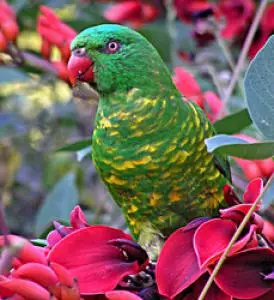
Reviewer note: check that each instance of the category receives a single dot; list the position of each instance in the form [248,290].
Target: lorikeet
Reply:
[148,143]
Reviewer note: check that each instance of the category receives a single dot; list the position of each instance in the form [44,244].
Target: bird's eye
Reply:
[112,46]
[79,52]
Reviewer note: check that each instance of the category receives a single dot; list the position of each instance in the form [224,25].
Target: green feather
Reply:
[148,144]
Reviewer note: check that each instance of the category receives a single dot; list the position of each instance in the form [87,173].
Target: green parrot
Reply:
[148,143]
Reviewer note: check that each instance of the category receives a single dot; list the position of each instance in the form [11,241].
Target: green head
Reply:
[115,58]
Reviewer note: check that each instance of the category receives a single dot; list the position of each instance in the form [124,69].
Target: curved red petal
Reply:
[212,238]
[77,218]
[28,252]
[25,288]
[96,265]
[253,190]
[122,295]
[177,266]
[187,85]
[241,275]
[38,273]
[125,11]
[49,14]
[240,208]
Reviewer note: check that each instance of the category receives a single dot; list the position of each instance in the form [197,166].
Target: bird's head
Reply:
[115,58]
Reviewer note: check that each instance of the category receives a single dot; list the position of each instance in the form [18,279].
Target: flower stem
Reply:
[232,241]
[171,27]
[227,54]
[243,54]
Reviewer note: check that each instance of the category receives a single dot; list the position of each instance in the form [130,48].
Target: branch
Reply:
[243,54]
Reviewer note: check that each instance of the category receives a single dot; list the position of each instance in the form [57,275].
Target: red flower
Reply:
[55,33]
[77,221]
[194,250]
[266,28]
[135,13]
[238,14]
[9,29]
[99,257]
[189,87]
[187,10]
[254,168]
[32,278]
[248,274]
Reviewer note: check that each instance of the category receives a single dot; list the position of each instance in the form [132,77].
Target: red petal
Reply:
[177,266]
[212,238]
[240,275]
[49,14]
[213,104]
[253,190]
[28,252]
[125,11]
[187,85]
[77,218]
[63,275]
[240,208]
[122,295]
[250,168]
[61,70]
[99,267]
[266,165]
[46,49]
[53,238]
[230,196]
[3,42]
[7,9]
[10,30]
[26,289]
[38,273]
[150,12]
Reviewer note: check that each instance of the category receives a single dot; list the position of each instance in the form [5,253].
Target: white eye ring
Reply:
[79,52]
[113,46]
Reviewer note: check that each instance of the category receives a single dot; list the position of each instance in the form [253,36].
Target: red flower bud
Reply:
[46,48]
[10,30]
[3,43]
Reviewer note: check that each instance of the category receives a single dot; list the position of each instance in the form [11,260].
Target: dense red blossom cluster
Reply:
[55,33]
[233,17]
[8,26]
[84,261]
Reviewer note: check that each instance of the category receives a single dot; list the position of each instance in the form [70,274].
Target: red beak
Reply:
[80,68]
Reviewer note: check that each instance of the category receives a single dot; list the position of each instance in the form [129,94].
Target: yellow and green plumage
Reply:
[148,144]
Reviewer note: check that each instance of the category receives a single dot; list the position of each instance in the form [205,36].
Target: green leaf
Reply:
[233,123]
[234,146]
[259,89]
[58,203]
[39,242]
[83,153]
[8,75]
[77,146]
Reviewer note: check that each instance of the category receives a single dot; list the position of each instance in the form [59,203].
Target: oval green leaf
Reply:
[233,146]
[76,146]
[233,123]
[259,89]
[58,203]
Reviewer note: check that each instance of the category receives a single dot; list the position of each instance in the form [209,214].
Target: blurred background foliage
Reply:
[39,114]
